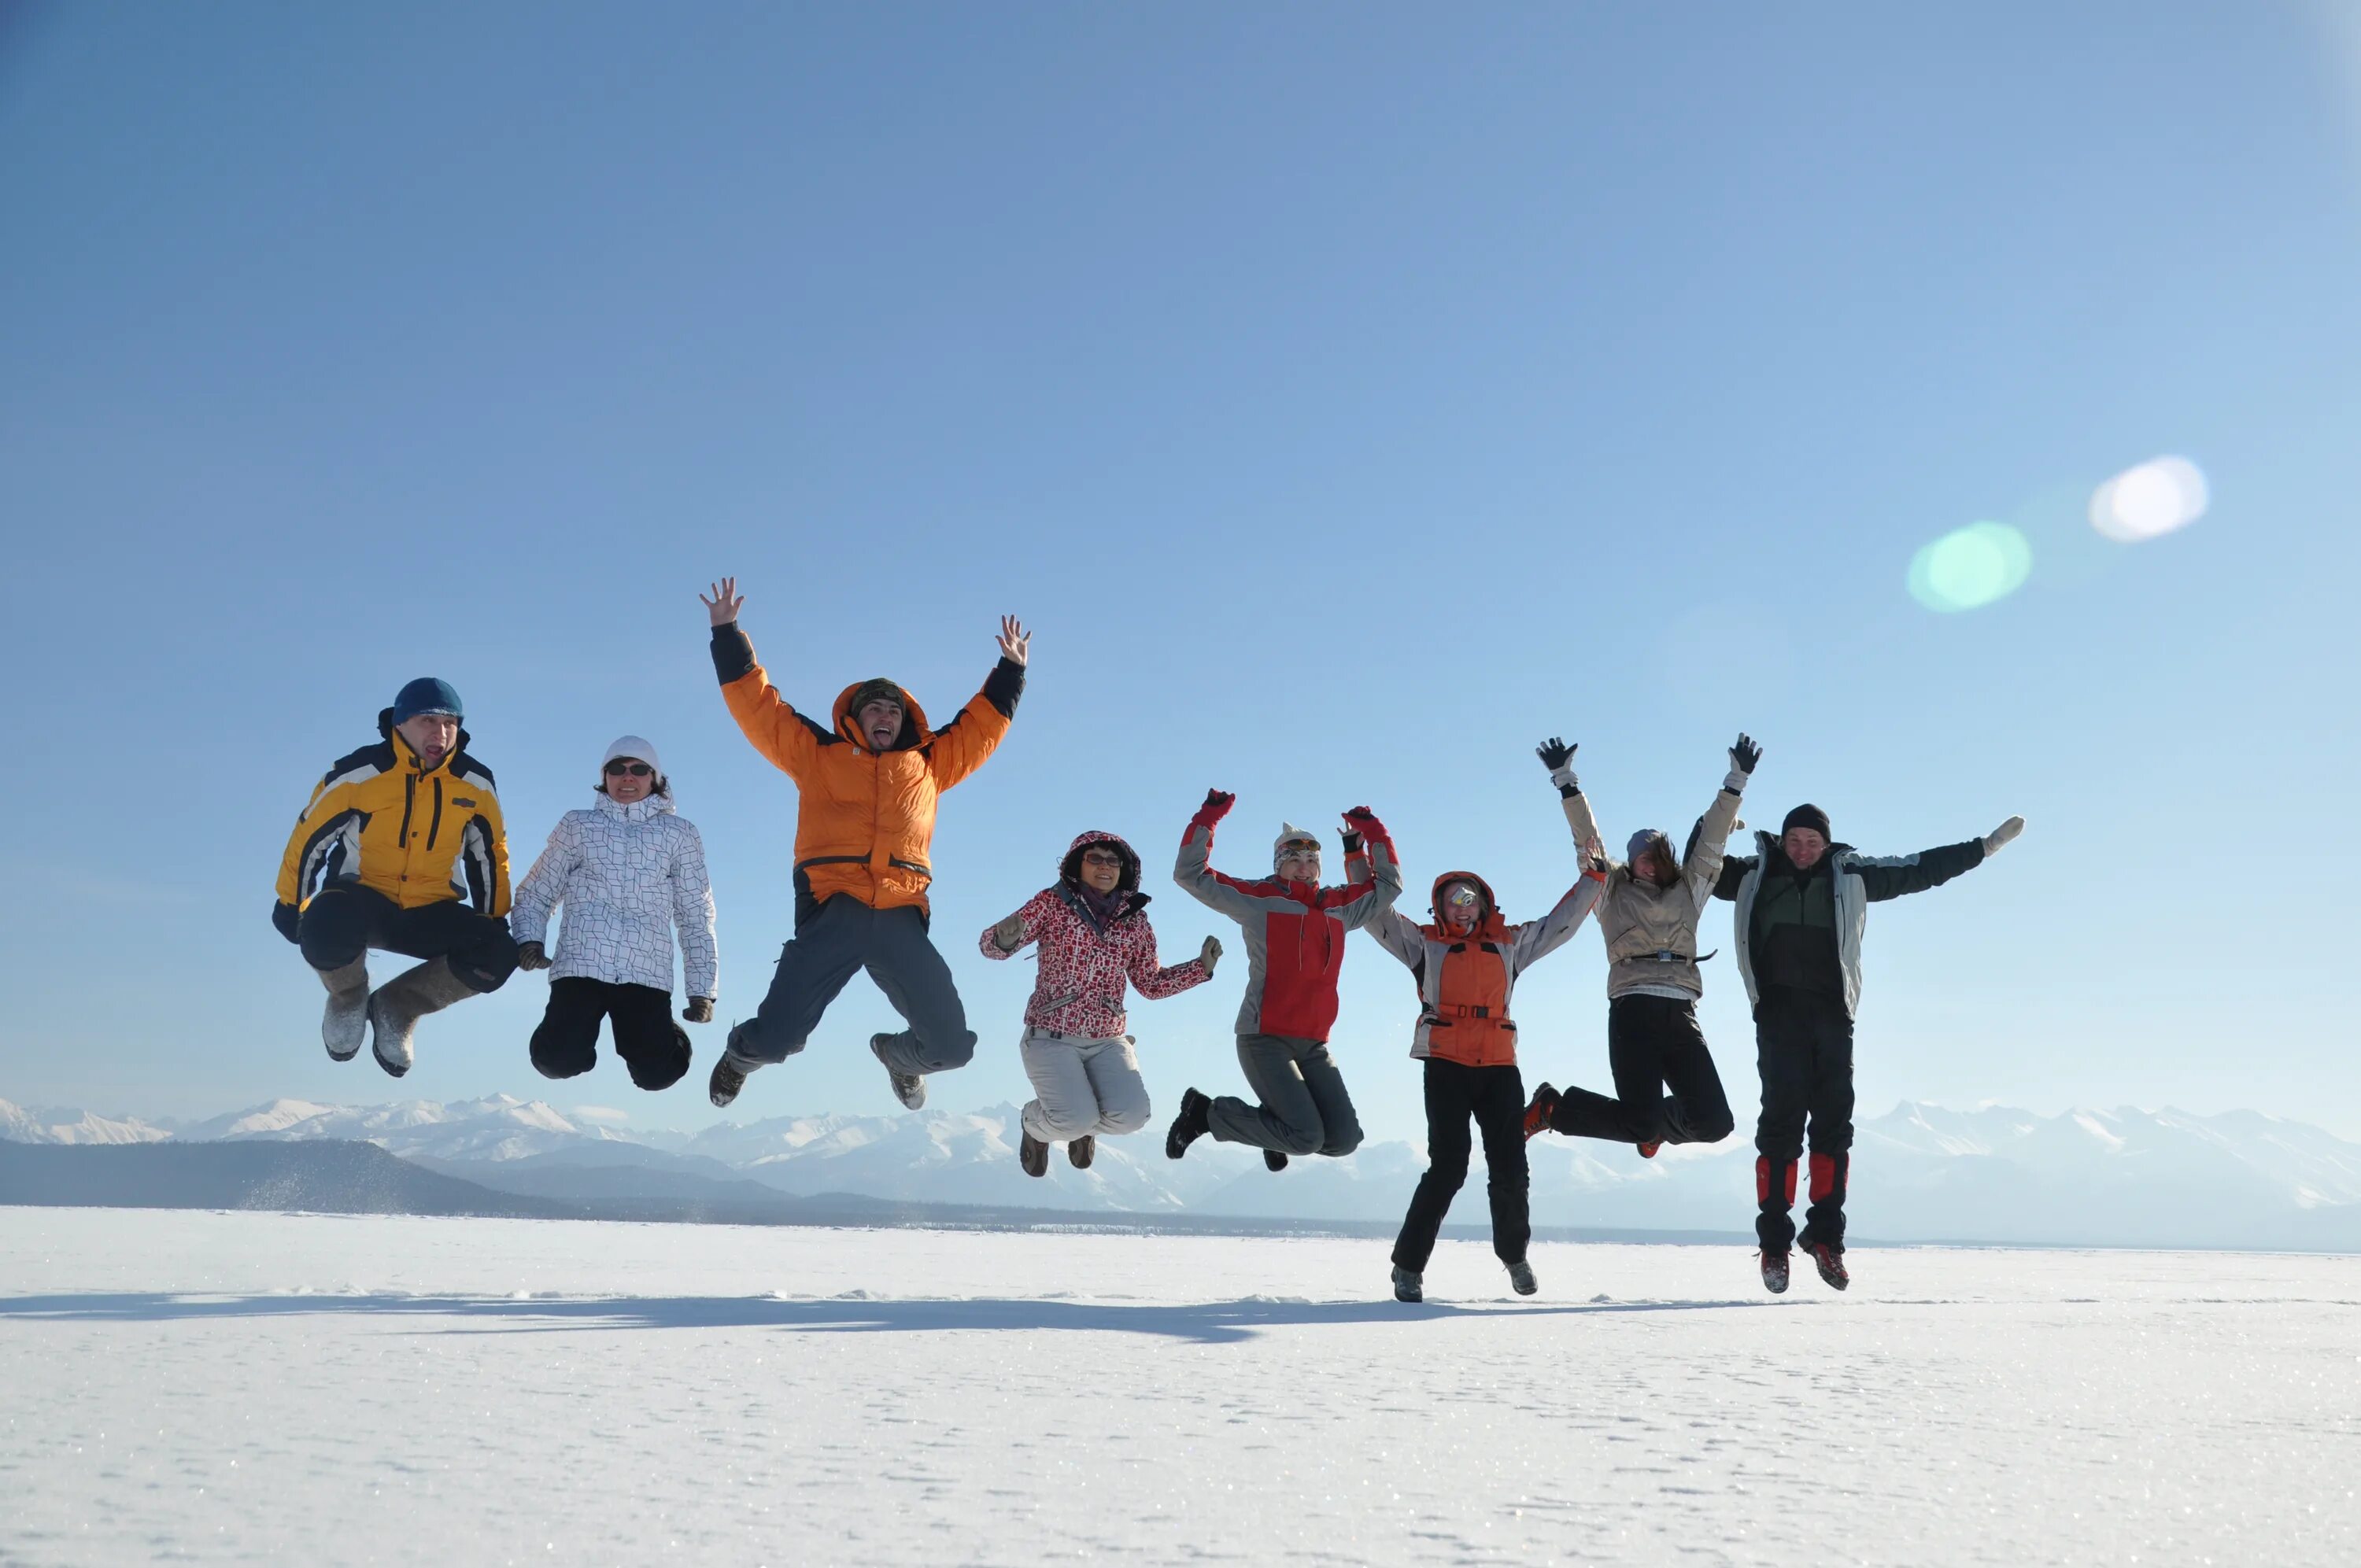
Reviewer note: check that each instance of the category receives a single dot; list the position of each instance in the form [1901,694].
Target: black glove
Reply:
[288,921]
[699,1010]
[1352,841]
[1745,754]
[1555,753]
[532,956]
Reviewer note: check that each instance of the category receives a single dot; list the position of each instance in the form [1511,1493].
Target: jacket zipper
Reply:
[409,795]
[435,824]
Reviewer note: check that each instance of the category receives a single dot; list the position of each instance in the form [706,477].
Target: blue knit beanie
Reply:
[427,695]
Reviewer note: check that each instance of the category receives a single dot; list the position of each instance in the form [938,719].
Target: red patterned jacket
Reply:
[1084,963]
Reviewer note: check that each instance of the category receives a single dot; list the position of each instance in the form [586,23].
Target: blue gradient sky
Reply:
[1349,396]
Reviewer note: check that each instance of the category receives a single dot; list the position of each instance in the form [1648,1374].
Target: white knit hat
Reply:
[634,746]
[1288,833]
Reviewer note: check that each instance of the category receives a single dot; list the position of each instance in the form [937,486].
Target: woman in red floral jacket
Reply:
[1093,935]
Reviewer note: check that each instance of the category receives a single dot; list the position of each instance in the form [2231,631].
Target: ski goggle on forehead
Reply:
[1308,848]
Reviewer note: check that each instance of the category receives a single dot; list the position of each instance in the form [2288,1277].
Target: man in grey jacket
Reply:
[1803,903]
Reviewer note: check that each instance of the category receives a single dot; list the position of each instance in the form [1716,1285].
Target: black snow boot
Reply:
[1831,1264]
[1081,1151]
[1033,1155]
[1520,1277]
[1407,1284]
[1273,1160]
[1188,1126]
[1774,1271]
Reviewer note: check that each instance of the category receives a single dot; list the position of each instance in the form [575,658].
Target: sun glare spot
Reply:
[2150,500]
[1970,567]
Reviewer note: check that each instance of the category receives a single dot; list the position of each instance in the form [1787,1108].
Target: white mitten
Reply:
[1564,780]
[2001,835]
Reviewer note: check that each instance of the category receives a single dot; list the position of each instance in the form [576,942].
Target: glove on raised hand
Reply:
[2000,836]
[1364,821]
[699,1010]
[1209,954]
[531,956]
[1745,754]
[1558,758]
[1217,806]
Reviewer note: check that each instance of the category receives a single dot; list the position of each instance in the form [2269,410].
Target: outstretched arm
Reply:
[1884,879]
[788,738]
[1558,758]
[1536,939]
[1154,982]
[1194,868]
[1004,938]
[1703,873]
[962,746]
[1360,902]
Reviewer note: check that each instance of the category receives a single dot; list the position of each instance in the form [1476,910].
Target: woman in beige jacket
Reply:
[1648,914]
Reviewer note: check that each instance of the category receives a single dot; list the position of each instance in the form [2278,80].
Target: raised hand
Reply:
[1217,804]
[1009,935]
[1015,642]
[1364,821]
[1745,754]
[1555,753]
[532,956]
[1999,837]
[1209,954]
[723,606]
[699,1010]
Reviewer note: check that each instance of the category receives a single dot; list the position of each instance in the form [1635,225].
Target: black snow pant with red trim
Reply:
[1803,1042]
[1495,1097]
[653,1047]
[1652,1044]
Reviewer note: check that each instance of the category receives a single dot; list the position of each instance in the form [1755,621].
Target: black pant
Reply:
[1803,1043]
[346,920]
[845,935]
[653,1047]
[1653,1043]
[1495,1096]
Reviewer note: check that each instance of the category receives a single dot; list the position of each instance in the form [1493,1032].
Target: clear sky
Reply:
[1349,396]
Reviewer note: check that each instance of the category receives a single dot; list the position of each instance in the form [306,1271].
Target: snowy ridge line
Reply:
[1994,1175]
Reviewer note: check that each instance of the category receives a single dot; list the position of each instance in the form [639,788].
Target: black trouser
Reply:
[1495,1097]
[845,935]
[653,1047]
[346,920]
[1803,1042]
[1653,1043]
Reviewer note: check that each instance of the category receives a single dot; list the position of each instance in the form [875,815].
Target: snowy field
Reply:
[298,1389]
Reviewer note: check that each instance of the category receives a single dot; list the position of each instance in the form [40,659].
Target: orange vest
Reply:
[1470,1022]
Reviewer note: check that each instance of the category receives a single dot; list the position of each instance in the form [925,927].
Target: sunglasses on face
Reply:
[619,767]
[1100,858]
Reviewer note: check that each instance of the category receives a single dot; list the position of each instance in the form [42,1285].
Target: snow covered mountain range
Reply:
[1920,1172]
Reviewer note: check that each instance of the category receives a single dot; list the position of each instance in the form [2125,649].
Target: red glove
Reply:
[1364,821]
[1217,806]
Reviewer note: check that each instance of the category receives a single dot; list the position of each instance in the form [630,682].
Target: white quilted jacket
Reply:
[627,876]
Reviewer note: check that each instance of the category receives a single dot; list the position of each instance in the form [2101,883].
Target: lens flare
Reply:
[1970,567]
[2150,500]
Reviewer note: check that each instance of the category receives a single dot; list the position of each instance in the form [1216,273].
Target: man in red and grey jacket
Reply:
[1295,932]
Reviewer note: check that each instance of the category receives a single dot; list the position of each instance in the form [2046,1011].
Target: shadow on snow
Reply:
[1205,1322]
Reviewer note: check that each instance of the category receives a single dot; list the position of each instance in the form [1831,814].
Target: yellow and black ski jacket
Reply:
[418,835]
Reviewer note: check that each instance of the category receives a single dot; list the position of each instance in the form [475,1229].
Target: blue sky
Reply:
[1349,396]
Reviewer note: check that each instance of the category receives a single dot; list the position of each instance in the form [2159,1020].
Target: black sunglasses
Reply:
[637,770]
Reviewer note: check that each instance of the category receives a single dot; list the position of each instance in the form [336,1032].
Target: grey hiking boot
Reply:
[730,1072]
[1409,1286]
[909,1088]
[1081,1151]
[396,1007]
[1520,1277]
[345,1023]
[1033,1155]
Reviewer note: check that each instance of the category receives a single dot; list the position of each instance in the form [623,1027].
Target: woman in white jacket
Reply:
[629,871]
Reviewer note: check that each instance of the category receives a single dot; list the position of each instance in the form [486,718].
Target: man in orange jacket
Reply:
[869,783]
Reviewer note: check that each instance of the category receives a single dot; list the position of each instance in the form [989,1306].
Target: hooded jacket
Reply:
[627,876]
[1085,961]
[866,822]
[1650,931]
[418,834]
[1466,980]
[1294,931]
[1858,881]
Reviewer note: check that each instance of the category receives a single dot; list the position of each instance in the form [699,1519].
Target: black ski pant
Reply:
[844,935]
[344,921]
[1652,1044]
[1495,1098]
[1803,1042]
[653,1047]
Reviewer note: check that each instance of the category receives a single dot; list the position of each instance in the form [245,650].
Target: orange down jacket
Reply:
[867,821]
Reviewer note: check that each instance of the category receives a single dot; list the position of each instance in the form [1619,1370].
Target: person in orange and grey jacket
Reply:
[868,781]
[400,848]
[1294,930]
[1092,937]
[1649,915]
[1466,963]
[1802,903]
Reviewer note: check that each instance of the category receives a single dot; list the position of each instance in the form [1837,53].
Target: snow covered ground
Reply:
[303,1390]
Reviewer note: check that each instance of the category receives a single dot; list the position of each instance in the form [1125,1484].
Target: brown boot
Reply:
[1033,1155]
[1082,1151]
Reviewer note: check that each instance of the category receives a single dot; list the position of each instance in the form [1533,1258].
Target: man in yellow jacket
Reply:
[868,782]
[401,847]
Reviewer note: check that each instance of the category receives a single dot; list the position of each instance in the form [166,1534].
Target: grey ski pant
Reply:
[846,934]
[1305,1108]
[1083,1088]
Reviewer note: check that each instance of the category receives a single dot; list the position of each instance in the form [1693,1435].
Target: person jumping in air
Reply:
[400,848]
[1648,915]
[629,871]
[1467,964]
[1802,903]
[1093,931]
[868,782]
[1295,932]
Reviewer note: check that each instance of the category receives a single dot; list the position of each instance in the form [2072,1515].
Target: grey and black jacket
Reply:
[1858,881]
